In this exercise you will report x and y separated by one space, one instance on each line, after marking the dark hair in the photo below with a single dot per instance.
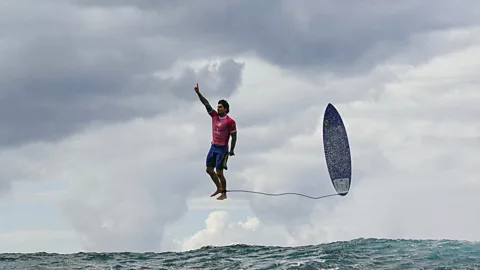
224 104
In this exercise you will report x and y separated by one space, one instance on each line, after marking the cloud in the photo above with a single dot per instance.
221 230
130 180
343 36
130 187
106 105
414 150
94 68
130 184
99 64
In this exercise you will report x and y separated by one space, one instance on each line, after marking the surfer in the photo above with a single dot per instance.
223 126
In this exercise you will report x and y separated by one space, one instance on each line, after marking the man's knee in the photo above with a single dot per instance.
210 170
219 173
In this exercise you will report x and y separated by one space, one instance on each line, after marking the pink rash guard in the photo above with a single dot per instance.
222 127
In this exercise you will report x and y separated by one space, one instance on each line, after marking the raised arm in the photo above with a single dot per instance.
203 99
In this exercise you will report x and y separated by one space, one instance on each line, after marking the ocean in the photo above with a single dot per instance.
355 254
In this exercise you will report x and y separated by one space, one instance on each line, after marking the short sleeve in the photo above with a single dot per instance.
212 112
233 126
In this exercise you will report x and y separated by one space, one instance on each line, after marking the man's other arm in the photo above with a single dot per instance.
233 133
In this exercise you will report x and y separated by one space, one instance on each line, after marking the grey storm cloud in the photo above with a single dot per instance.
59 74
334 35
70 64
54 84
46 108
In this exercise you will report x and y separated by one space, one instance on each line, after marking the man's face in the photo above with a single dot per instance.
220 109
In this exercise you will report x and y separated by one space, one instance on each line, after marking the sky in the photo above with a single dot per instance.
103 139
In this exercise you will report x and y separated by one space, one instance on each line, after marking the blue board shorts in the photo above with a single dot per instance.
217 157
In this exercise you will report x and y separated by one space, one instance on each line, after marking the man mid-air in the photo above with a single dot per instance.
223 126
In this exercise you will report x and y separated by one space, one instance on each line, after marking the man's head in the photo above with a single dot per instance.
223 107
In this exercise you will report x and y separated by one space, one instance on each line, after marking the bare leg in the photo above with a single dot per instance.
223 183
215 180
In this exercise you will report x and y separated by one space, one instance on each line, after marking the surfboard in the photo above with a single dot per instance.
337 150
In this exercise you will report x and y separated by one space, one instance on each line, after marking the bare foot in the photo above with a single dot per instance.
222 197
216 192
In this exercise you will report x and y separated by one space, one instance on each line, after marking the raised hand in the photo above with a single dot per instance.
196 88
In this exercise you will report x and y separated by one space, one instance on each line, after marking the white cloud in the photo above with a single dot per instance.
221 230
